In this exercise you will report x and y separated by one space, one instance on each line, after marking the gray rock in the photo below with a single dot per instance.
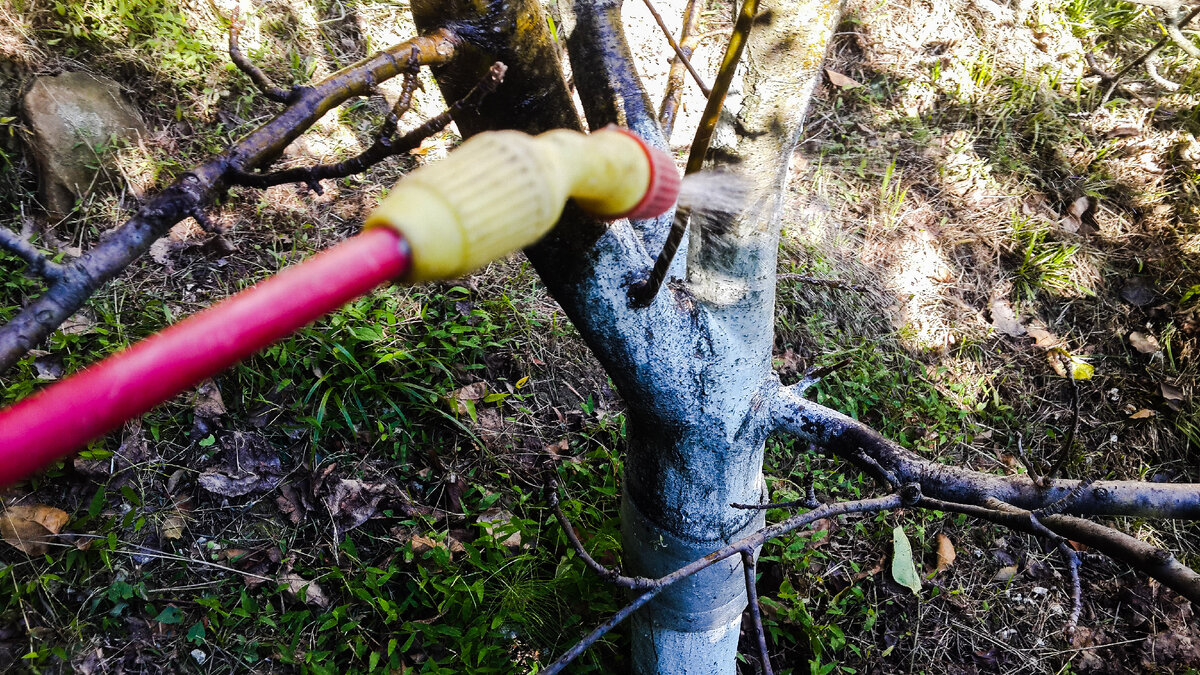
70 116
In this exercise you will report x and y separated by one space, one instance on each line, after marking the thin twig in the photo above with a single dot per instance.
1152 71
813 376
257 76
815 281
910 494
642 293
404 101
1065 451
1034 474
381 149
809 502
679 53
1162 42
748 567
612 576
673 96
1173 25
38 263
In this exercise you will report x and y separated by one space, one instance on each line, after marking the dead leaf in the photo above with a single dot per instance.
1041 335
1138 291
248 464
1005 573
1123 132
229 486
48 367
304 591
183 234
462 400
1142 414
172 526
208 401
1146 344
1172 395
352 503
1004 319
28 527
945 553
839 80
173 481
78 323
495 519
290 504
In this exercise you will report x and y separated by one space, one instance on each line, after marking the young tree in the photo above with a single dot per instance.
693 361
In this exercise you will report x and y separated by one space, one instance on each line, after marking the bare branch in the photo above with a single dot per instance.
1065 452
257 76
643 292
688 40
197 188
611 576
1035 474
679 53
748 567
384 146
814 375
1150 560
850 439
910 495
1114 79
1173 23
38 263
1152 71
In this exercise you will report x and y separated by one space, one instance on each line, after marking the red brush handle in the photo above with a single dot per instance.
63 417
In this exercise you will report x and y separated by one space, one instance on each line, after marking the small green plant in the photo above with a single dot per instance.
891 196
1045 266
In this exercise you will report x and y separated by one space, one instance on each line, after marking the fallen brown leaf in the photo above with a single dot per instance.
1145 344
1142 414
304 591
945 553
172 525
840 80
208 401
1005 573
495 519
352 503
290 504
28 527
1004 319
1172 394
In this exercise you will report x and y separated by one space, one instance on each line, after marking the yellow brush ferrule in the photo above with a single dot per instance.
503 190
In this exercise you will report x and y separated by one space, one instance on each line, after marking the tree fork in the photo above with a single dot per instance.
694 365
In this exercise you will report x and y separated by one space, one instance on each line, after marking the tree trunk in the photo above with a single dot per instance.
693 367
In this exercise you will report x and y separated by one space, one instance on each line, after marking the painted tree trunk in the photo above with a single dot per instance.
694 367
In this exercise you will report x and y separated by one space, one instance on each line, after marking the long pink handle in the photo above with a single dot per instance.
66 415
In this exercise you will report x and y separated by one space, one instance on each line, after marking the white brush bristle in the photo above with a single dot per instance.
714 200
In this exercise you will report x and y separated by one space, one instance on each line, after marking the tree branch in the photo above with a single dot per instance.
197 188
1154 562
850 439
910 495
257 76
679 53
38 263
688 39
643 292
386 145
